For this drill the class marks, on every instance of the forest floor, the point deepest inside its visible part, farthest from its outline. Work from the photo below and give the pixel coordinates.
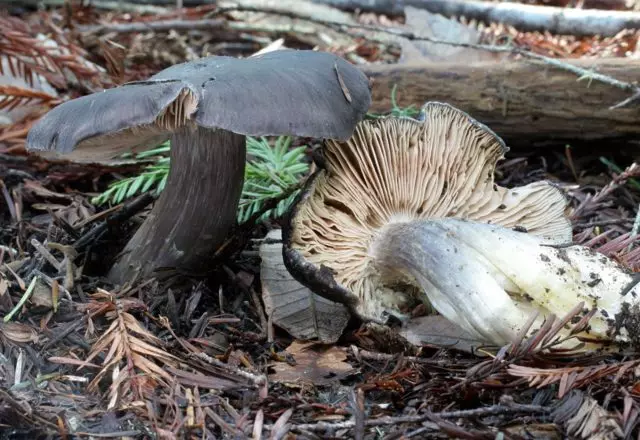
(194, 358)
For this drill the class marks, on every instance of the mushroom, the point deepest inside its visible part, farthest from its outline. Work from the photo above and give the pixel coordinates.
(397, 171)
(206, 107)
(490, 280)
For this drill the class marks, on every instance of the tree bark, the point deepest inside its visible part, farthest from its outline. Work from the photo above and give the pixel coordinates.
(560, 20)
(195, 211)
(564, 21)
(522, 102)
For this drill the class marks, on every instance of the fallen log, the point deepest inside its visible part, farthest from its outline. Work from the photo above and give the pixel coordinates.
(566, 21)
(526, 103)
(396, 7)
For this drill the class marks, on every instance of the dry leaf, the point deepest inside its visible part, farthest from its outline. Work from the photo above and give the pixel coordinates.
(594, 422)
(427, 25)
(41, 298)
(291, 305)
(18, 333)
(315, 364)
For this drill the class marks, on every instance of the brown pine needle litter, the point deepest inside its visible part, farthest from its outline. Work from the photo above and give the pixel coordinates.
(197, 357)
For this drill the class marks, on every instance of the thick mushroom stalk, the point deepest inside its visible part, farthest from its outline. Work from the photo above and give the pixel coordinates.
(206, 107)
(181, 229)
(399, 170)
(490, 279)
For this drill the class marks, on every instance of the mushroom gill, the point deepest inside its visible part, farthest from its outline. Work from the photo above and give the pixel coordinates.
(179, 112)
(395, 170)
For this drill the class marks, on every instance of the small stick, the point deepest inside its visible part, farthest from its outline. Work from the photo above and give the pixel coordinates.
(154, 26)
(16, 276)
(478, 412)
(50, 281)
(264, 323)
(9, 200)
(58, 336)
(384, 357)
(127, 211)
(47, 255)
(260, 380)
(11, 251)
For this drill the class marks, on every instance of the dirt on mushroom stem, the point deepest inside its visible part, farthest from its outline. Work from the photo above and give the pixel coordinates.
(469, 273)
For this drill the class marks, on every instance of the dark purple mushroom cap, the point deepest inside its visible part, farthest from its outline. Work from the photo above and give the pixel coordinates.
(286, 92)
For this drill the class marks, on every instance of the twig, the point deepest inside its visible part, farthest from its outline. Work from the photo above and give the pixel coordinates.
(58, 336)
(188, 25)
(397, 8)
(627, 101)
(612, 222)
(264, 323)
(356, 401)
(478, 412)
(46, 254)
(9, 201)
(543, 18)
(115, 434)
(13, 253)
(260, 380)
(153, 26)
(127, 211)
(50, 282)
(384, 357)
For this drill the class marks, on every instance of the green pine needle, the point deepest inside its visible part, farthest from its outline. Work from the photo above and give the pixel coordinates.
(396, 110)
(270, 171)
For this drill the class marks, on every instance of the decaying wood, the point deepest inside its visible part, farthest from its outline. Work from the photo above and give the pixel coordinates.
(117, 5)
(154, 26)
(524, 17)
(523, 102)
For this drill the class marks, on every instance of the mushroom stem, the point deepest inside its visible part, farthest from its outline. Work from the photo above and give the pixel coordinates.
(196, 209)
(490, 279)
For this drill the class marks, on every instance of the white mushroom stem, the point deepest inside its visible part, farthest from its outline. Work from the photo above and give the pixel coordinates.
(195, 211)
(490, 279)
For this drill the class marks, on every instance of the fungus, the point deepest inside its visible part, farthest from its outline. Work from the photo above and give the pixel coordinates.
(206, 107)
(394, 173)
(490, 280)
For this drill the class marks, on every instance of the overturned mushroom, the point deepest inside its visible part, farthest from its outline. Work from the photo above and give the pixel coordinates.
(206, 107)
(490, 280)
(396, 171)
